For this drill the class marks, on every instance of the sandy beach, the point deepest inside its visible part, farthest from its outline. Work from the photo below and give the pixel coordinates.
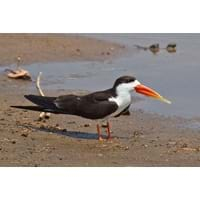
(142, 139)
(54, 47)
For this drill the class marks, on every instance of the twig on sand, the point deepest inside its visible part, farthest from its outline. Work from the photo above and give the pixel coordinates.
(38, 85)
(42, 114)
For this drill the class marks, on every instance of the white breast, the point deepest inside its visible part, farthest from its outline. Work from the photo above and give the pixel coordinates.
(123, 97)
(123, 101)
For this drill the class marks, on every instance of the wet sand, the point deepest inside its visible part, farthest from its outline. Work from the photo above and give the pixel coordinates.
(142, 139)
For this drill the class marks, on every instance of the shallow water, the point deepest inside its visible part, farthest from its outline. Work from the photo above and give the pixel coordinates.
(175, 75)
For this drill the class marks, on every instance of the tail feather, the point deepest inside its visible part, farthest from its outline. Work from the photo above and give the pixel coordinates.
(35, 108)
(38, 109)
(45, 102)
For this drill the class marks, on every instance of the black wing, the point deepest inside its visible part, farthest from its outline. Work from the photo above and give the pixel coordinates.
(68, 103)
(93, 106)
(96, 105)
(101, 95)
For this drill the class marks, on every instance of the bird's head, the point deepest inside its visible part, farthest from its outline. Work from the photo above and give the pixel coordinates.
(130, 83)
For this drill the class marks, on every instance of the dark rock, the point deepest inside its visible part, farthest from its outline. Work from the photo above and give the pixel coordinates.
(171, 48)
(24, 134)
(86, 125)
(13, 141)
(108, 53)
(184, 145)
(47, 116)
(154, 48)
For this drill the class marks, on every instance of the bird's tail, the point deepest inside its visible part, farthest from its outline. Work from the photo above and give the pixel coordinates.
(44, 104)
(38, 109)
(35, 108)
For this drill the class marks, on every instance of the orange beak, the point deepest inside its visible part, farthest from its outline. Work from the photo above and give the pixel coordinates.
(142, 89)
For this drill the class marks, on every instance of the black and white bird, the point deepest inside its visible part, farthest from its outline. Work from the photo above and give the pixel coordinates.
(100, 105)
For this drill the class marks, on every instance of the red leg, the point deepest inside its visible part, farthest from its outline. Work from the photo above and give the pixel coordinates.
(99, 133)
(108, 130)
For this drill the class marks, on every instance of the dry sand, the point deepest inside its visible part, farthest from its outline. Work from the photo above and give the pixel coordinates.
(143, 139)
(54, 47)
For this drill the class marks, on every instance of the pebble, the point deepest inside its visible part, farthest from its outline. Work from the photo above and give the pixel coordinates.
(108, 53)
(78, 51)
(86, 125)
(137, 133)
(13, 141)
(47, 116)
(172, 143)
(184, 145)
(126, 148)
(42, 126)
(104, 125)
(72, 122)
(24, 134)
